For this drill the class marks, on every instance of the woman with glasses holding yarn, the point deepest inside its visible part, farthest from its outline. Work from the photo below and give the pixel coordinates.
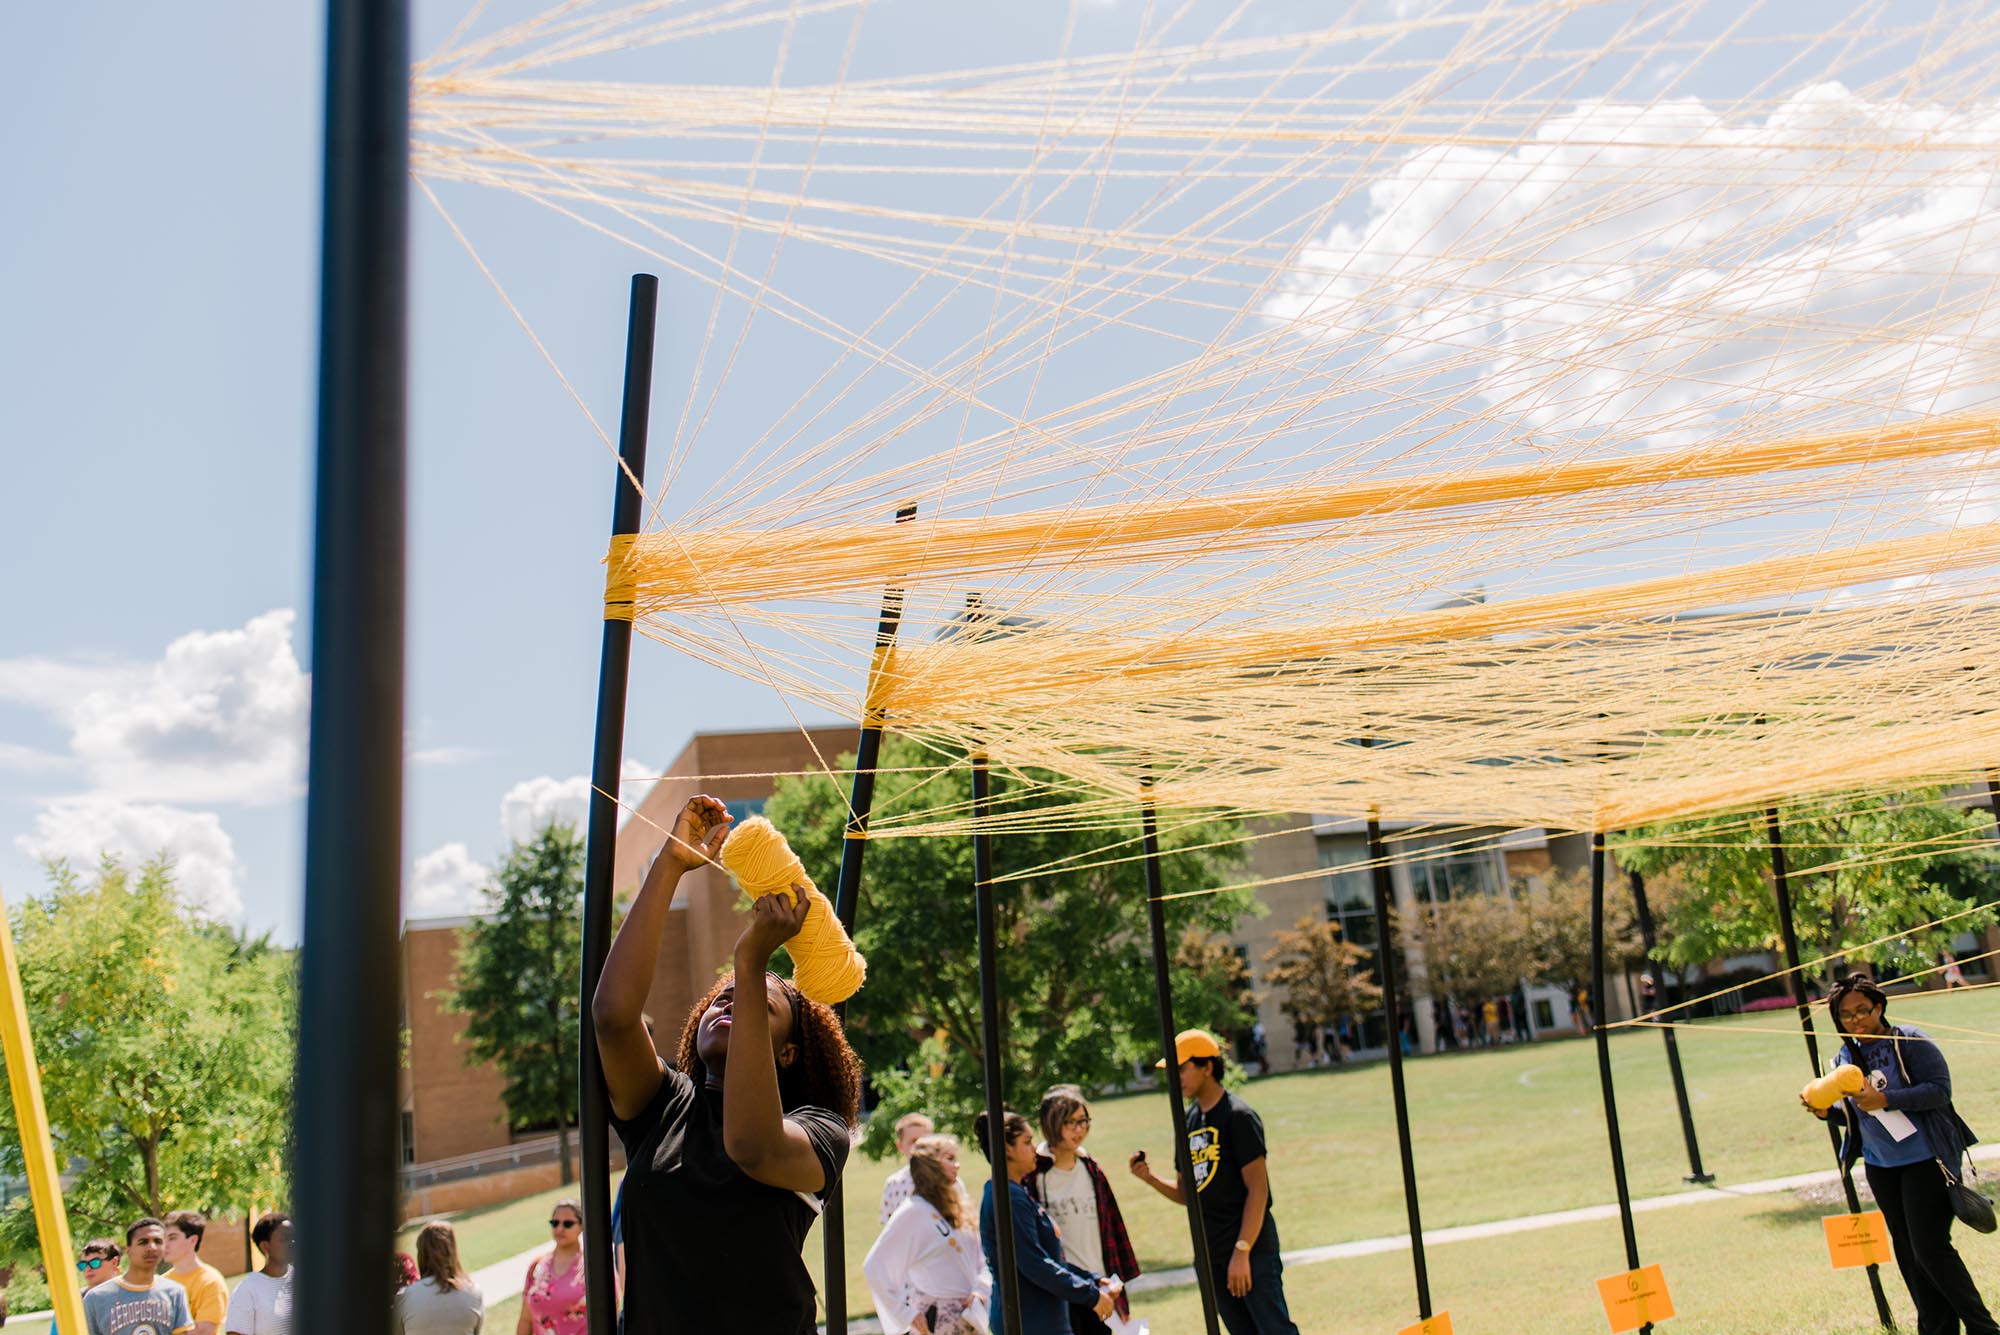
(1070, 1185)
(1912, 1144)
(552, 1298)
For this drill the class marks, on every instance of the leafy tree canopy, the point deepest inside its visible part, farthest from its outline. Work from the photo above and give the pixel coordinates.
(166, 1047)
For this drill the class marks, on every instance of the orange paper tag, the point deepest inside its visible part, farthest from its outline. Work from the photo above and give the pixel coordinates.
(1635, 1298)
(1857, 1239)
(1436, 1325)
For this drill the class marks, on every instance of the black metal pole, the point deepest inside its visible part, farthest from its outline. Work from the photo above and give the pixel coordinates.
(1781, 887)
(1648, 937)
(601, 841)
(992, 1036)
(347, 1124)
(846, 898)
(1603, 1037)
(1163, 996)
(1392, 1015)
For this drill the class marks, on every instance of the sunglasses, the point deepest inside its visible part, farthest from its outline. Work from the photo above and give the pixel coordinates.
(93, 1263)
(562, 1223)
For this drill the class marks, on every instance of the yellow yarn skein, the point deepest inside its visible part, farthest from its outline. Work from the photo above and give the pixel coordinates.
(825, 964)
(1834, 1086)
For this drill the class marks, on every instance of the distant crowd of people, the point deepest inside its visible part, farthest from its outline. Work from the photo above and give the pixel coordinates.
(157, 1284)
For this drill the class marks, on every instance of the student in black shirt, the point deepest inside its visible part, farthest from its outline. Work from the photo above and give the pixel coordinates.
(731, 1150)
(1232, 1181)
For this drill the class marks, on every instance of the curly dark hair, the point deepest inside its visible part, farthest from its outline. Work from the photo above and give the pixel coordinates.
(826, 1075)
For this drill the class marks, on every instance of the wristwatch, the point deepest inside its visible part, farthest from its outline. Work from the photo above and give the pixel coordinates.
(1242, 1246)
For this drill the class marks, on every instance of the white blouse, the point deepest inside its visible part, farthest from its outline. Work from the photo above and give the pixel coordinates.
(919, 1254)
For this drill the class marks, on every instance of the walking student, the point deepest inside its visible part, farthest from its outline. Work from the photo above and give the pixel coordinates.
(141, 1301)
(207, 1291)
(925, 1272)
(733, 1148)
(552, 1298)
(262, 1303)
(910, 1128)
(1910, 1138)
(444, 1300)
(1232, 1181)
(1048, 1285)
(1075, 1191)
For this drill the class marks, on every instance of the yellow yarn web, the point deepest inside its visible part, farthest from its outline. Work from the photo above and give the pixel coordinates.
(1541, 414)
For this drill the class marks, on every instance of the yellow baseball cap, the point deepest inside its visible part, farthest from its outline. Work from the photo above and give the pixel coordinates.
(1191, 1043)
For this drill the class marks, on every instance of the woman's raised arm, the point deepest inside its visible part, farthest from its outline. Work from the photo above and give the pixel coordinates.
(631, 1063)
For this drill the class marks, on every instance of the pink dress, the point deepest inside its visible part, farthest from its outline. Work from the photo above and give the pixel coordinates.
(555, 1299)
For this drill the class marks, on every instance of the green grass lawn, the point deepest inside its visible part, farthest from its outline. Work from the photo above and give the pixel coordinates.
(1508, 1132)
(492, 1233)
(1498, 1134)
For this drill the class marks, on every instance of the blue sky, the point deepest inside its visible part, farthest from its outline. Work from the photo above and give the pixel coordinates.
(157, 317)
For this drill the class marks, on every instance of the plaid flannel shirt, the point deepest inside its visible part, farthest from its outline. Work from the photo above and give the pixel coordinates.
(1119, 1258)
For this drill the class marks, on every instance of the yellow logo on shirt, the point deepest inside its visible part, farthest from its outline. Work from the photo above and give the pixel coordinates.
(1205, 1154)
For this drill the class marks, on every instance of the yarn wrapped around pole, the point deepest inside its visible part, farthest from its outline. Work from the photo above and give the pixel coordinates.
(825, 964)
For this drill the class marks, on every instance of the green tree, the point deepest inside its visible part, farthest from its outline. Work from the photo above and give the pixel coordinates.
(1859, 870)
(519, 972)
(1473, 947)
(166, 1043)
(1076, 978)
(1323, 977)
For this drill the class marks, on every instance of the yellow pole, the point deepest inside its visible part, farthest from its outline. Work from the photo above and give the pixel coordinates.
(37, 1149)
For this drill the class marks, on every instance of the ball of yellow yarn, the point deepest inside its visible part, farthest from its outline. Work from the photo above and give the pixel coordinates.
(825, 964)
(1834, 1086)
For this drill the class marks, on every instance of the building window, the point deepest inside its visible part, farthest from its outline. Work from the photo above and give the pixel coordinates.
(1440, 874)
(1350, 902)
(743, 808)
(1350, 890)
(409, 1137)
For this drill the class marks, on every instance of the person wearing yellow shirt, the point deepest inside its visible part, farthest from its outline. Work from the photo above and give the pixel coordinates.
(207, 1293)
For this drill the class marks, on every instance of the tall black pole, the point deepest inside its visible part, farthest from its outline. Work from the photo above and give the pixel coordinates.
(1392, 1015)
(1603, 1037)
(1781, 886)
(846, 897)
(992, 1035)
(346, 1073)
(606, 761)
(1163, 997)
(1650, 940)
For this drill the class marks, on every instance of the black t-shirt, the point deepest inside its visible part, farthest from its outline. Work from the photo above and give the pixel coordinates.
(1220, 1142)
(707, 1247)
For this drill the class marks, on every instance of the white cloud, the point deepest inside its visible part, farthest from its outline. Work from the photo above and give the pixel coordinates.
(532, 804)
(446, 882)
(19, 759)
(449, 755)
(220, 718)
(1669, 266)
(54, 685)
(83, 829)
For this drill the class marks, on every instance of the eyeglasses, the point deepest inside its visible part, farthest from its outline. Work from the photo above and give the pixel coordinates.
(93, 1263)
(1857, 1012)
(1081, 1119)
(562, 1223)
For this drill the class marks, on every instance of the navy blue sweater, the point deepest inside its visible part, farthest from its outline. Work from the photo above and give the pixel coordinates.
(1049, 1284)
(1926, 1098)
